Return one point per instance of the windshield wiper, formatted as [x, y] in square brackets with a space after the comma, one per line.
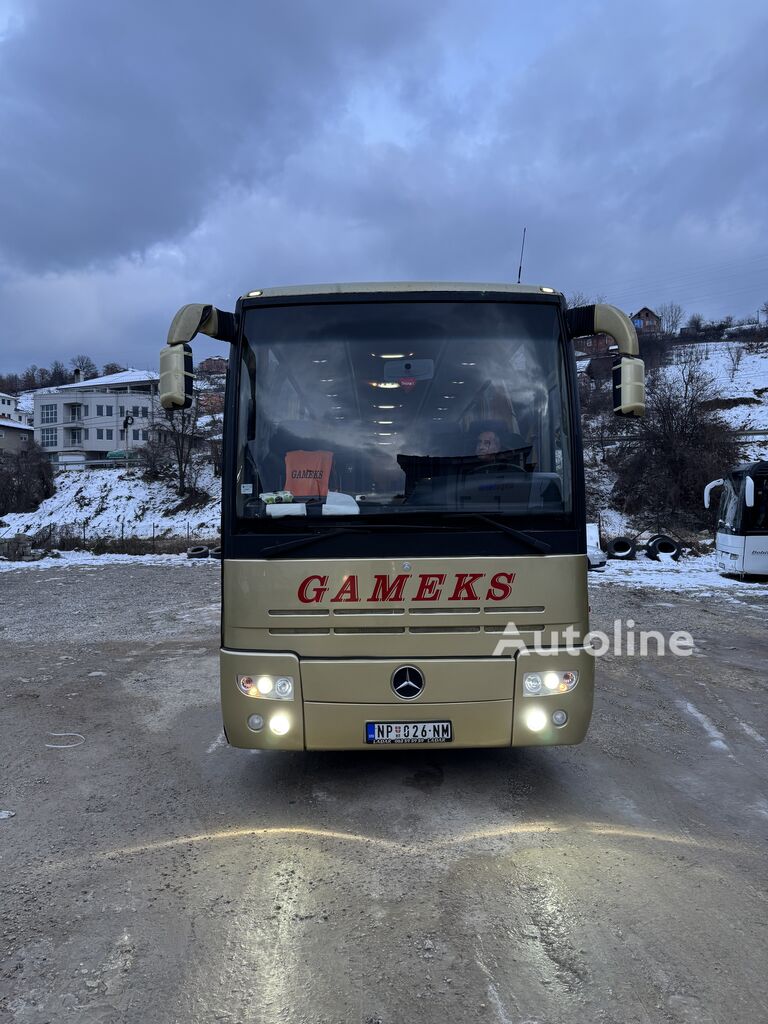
[525, 538]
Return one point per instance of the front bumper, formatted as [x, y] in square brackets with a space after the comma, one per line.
[481, 697]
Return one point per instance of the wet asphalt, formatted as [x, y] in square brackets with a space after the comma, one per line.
[151, 873]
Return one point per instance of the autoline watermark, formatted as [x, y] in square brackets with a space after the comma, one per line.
[624, 640]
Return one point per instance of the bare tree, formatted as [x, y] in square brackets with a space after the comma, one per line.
[85, 365]
[109, 368]
[671, 315]
[695, 323]
[681, 444]
[734, 351]
[180, 433]
[26, 479]
[579, 298]
[59, 374]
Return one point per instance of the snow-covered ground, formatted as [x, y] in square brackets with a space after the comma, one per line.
[697, 575]
[87, 560]
[693, 576]
[109, 502]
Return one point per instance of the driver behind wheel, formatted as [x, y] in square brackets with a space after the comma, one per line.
[488, 443]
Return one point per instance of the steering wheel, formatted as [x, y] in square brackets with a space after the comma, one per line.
[493, 464]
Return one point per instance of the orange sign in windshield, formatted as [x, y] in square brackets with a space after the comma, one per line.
[307, 473]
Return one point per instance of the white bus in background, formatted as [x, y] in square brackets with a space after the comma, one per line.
[742, 519]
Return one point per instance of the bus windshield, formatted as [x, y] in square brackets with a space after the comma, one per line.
[365, 408]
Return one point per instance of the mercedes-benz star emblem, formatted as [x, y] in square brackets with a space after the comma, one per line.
[407, 682]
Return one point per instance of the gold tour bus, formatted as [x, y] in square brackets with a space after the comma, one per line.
[402, 484]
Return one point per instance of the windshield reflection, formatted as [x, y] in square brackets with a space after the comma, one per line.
[365, 408]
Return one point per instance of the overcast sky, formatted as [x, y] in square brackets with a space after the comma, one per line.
[157, 154]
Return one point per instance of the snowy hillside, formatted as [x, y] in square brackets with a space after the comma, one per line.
[110, 501]
[741, 377]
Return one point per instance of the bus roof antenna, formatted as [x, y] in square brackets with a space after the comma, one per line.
[522, 250]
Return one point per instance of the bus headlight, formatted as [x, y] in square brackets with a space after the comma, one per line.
[269, 687]
[532, 682]
[549, 682]
[284, 687]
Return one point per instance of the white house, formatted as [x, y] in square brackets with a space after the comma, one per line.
[78, 422]
[13, 408]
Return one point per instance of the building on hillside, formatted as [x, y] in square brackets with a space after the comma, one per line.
[213, 364]
[596, 345]
[646, 321]
[14, 436]
[11, 408]
[75, 423]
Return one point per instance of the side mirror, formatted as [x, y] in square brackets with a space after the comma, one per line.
[629, 386]
[176, 377]
[176, 371]
[709, 488]
[629, 368]
[199, 317]
[749, 492]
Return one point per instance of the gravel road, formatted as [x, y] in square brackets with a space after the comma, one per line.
[152, 874]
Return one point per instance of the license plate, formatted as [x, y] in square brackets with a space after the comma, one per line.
[408, 732]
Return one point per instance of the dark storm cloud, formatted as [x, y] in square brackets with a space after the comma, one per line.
[123, 121]
[178, 155]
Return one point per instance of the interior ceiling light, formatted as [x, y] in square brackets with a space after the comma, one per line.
[393, 355]
[319, 360]
[457, 382]
[384, 423]
[385, 407]
[383, 384]
[469, 364]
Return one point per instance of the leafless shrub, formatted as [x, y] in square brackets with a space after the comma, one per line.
[680, 445]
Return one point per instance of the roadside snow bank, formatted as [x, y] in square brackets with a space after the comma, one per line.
[689, 574]
[85, 559]
[111, 502]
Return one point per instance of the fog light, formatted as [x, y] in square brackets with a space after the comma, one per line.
[255, 723]
[264, 685]
[532, 682]
[280, 724]
[535, 719]
[559, 718]
[284, 687]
